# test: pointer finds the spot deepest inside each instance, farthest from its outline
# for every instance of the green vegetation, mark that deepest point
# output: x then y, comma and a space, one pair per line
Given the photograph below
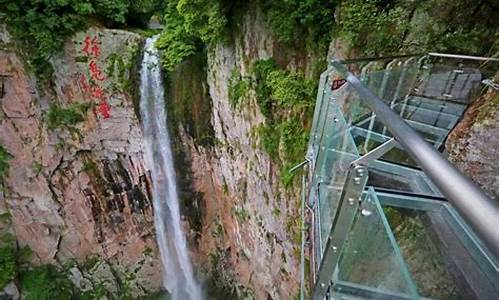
45, 283
299, 21
241, 214
11, 258
47, 23
58, 117
37, 168
7, 265
286, 99
4, 162
189, 24
175, 42
42, 26
239, 87
376, 27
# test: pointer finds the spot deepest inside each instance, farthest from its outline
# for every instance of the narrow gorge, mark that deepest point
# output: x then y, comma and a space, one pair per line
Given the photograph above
146, 146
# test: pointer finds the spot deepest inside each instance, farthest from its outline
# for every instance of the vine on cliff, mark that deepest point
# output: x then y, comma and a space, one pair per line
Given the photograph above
286, 99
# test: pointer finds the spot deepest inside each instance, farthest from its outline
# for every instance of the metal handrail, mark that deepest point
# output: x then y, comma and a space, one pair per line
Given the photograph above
469, 200
460, 56
376, 58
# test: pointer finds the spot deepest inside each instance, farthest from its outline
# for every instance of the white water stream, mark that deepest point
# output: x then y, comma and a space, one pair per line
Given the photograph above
178, 276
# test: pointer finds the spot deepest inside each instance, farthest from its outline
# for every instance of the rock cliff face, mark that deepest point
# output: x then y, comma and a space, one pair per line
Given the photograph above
249, 235
472, 145
80, 192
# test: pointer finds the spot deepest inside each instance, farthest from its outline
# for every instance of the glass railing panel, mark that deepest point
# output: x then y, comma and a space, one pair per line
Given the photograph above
320, 108
334, 151
445, 258
329, 200
426, 116
436, 105
371, 256
449, 83
368, 141
339, 153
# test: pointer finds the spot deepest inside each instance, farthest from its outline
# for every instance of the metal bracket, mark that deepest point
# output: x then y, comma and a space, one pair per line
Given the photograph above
298, 166
376, 153
341, 225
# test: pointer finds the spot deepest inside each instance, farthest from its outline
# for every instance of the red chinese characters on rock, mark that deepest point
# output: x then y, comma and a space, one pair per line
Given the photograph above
103, 108
92, 50
95, 72
84, 85
91, 46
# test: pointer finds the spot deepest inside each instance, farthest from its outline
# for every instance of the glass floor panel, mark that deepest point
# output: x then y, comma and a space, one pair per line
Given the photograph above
371, 256
406, 247
446, 260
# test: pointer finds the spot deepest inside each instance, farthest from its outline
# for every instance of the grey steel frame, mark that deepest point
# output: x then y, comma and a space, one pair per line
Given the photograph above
469, 200
342, 221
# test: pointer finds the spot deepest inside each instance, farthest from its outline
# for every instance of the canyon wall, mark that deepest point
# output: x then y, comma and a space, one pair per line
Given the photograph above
78, 193
249, 236
472, 145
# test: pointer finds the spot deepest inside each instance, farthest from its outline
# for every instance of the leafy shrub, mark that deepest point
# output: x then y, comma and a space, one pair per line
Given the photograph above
372, 27
294, 139
4, 161
378, 27
66, 117
7, 265
177, 44
238, 87
43, 25
114, 10
312, 19
260, 70
285, 98
188, 25
45, 282
203, 19
11, 258
290, 89
270, 139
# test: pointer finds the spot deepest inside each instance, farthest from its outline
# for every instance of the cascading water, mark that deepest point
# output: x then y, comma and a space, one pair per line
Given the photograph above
178, 276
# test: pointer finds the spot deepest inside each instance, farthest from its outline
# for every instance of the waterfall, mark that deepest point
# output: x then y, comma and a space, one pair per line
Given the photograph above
178, 276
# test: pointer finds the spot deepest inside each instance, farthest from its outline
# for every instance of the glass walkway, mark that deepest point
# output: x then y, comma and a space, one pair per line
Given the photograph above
385, 215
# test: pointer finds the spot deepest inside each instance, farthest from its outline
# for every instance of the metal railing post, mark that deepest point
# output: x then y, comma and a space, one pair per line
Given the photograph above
342, 222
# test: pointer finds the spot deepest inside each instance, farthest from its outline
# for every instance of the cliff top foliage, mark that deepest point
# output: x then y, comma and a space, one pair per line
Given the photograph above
373, 27
43, 25
377, 27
